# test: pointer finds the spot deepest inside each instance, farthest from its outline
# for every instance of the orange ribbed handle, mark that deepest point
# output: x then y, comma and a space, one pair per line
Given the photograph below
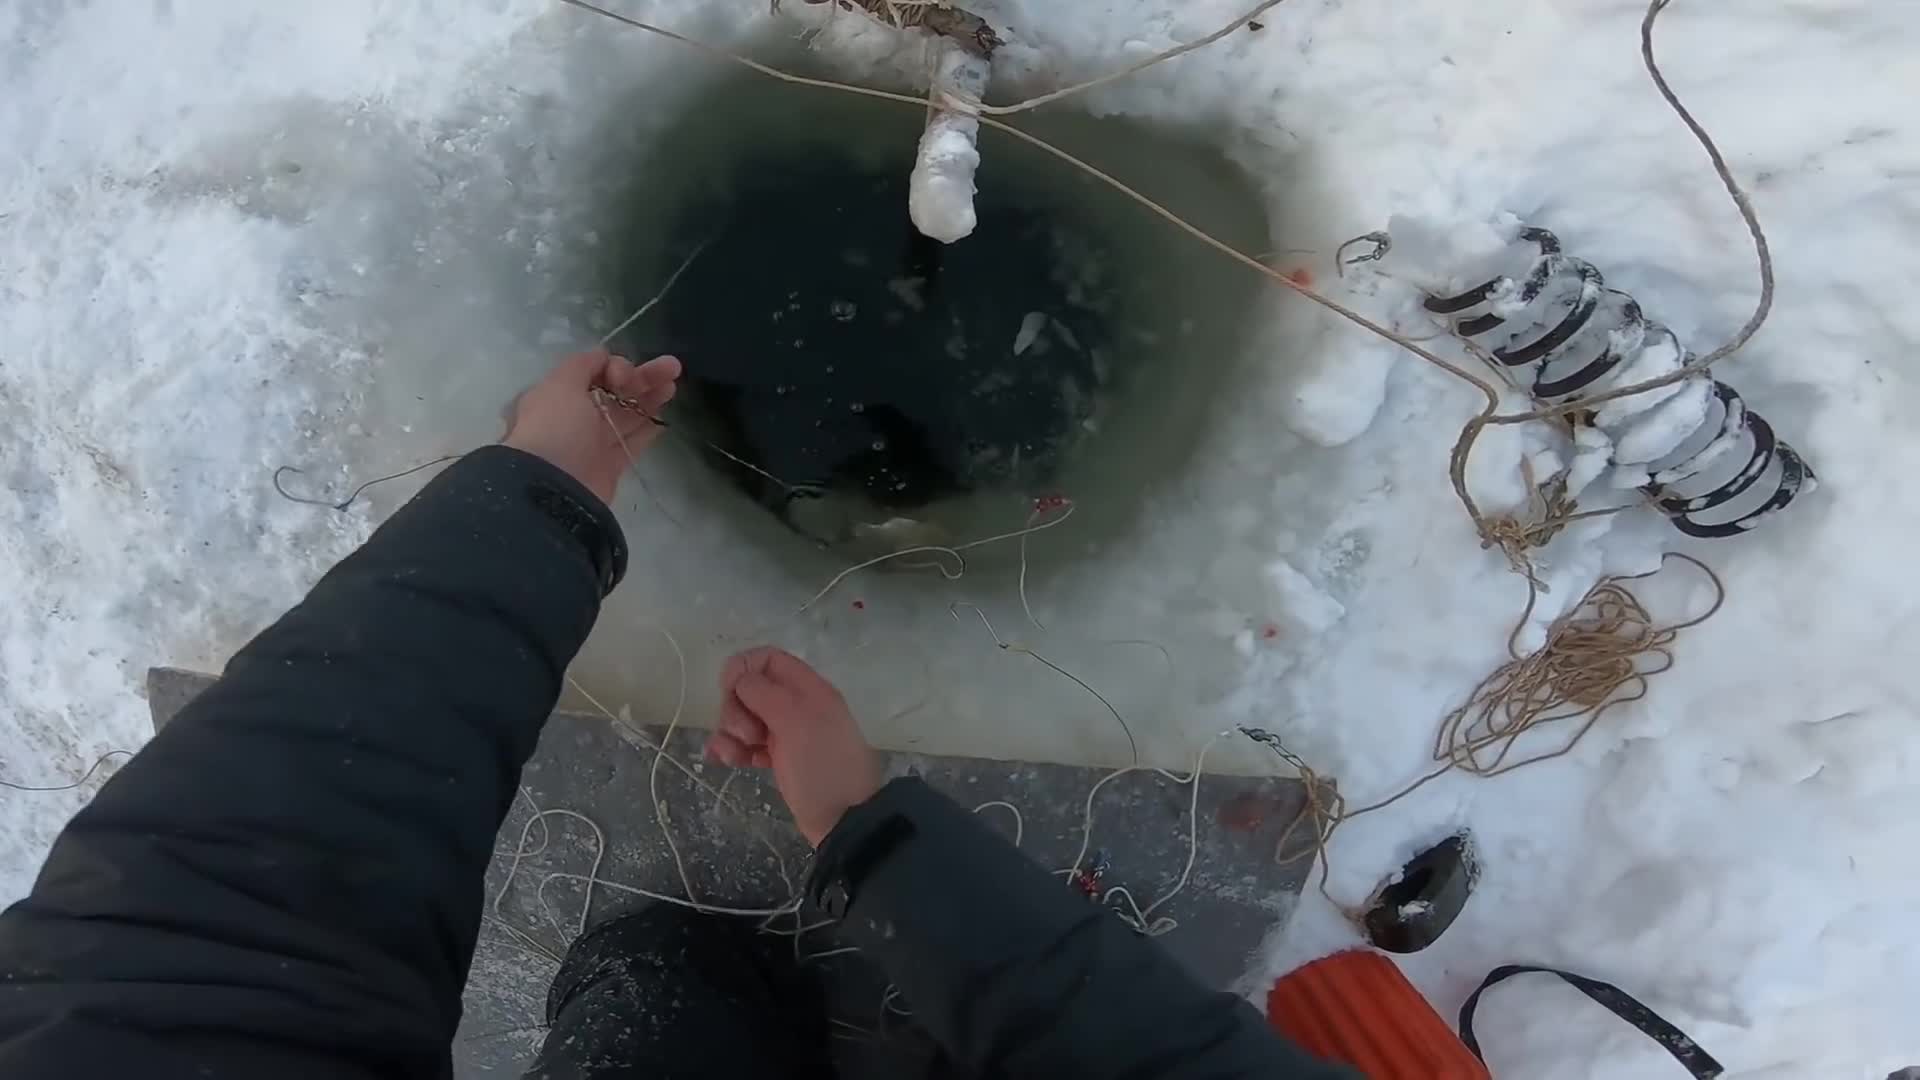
1356, 1008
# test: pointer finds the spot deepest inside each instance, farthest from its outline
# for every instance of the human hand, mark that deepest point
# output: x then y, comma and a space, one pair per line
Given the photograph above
777, 713
558, 418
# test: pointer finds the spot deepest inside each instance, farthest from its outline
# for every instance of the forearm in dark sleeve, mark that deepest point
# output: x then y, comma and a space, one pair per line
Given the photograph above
1015, 974
294, 864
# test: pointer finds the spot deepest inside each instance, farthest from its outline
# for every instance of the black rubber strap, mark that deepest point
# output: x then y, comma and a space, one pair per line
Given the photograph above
1618, 1001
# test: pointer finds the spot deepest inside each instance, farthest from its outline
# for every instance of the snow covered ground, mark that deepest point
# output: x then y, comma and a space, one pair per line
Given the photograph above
233, 236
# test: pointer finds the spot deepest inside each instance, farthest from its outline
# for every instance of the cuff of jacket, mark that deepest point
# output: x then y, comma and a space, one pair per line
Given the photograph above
493, 473
862, 841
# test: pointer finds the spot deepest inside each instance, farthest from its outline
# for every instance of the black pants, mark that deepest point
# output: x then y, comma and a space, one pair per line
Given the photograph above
671, 994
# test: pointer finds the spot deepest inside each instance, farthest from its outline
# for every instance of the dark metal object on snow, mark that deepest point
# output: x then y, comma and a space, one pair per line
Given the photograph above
1410, 912
1382, 244
1693, 478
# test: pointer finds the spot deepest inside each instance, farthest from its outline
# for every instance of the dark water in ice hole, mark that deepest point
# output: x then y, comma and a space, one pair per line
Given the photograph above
908, 392
876, 372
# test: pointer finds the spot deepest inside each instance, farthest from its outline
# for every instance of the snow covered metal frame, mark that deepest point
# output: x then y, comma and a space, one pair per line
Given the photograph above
1560, 321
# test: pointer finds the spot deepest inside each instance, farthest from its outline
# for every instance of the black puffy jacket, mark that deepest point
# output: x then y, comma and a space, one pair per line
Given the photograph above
286, 882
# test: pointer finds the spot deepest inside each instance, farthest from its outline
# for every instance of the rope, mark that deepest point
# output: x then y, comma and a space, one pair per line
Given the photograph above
1602, 653
1591, 655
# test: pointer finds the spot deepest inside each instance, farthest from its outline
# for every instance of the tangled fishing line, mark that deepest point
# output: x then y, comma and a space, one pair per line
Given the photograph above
786, 918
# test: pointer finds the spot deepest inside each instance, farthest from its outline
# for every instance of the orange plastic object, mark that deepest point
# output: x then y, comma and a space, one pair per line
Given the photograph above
1357, 1009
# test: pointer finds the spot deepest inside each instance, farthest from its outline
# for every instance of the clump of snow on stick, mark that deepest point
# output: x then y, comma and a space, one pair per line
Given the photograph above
941, 195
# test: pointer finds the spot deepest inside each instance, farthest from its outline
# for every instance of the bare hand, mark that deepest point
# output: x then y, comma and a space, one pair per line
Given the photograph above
777, 713
560, 420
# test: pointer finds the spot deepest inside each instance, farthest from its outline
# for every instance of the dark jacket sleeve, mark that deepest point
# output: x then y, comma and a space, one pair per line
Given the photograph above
1014, 973
287, 880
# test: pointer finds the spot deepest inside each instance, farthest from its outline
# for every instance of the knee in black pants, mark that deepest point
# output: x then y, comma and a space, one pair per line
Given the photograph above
672, 994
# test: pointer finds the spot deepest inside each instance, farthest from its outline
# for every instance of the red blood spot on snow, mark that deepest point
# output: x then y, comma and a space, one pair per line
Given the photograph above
859, 605
1269, 631
1046, 504
1302, 277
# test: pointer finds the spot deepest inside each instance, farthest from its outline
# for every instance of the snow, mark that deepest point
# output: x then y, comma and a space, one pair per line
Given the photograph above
1655, 358
180, 312
1656, 432
1306, 608
1593, 453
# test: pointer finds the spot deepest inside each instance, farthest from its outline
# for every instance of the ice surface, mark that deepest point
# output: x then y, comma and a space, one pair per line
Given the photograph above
181, 310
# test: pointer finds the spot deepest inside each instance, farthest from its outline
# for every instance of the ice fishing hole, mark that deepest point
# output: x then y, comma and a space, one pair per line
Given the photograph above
906, 392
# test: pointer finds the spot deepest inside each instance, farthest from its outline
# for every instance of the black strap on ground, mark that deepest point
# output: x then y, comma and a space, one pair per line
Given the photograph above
1618, 1001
